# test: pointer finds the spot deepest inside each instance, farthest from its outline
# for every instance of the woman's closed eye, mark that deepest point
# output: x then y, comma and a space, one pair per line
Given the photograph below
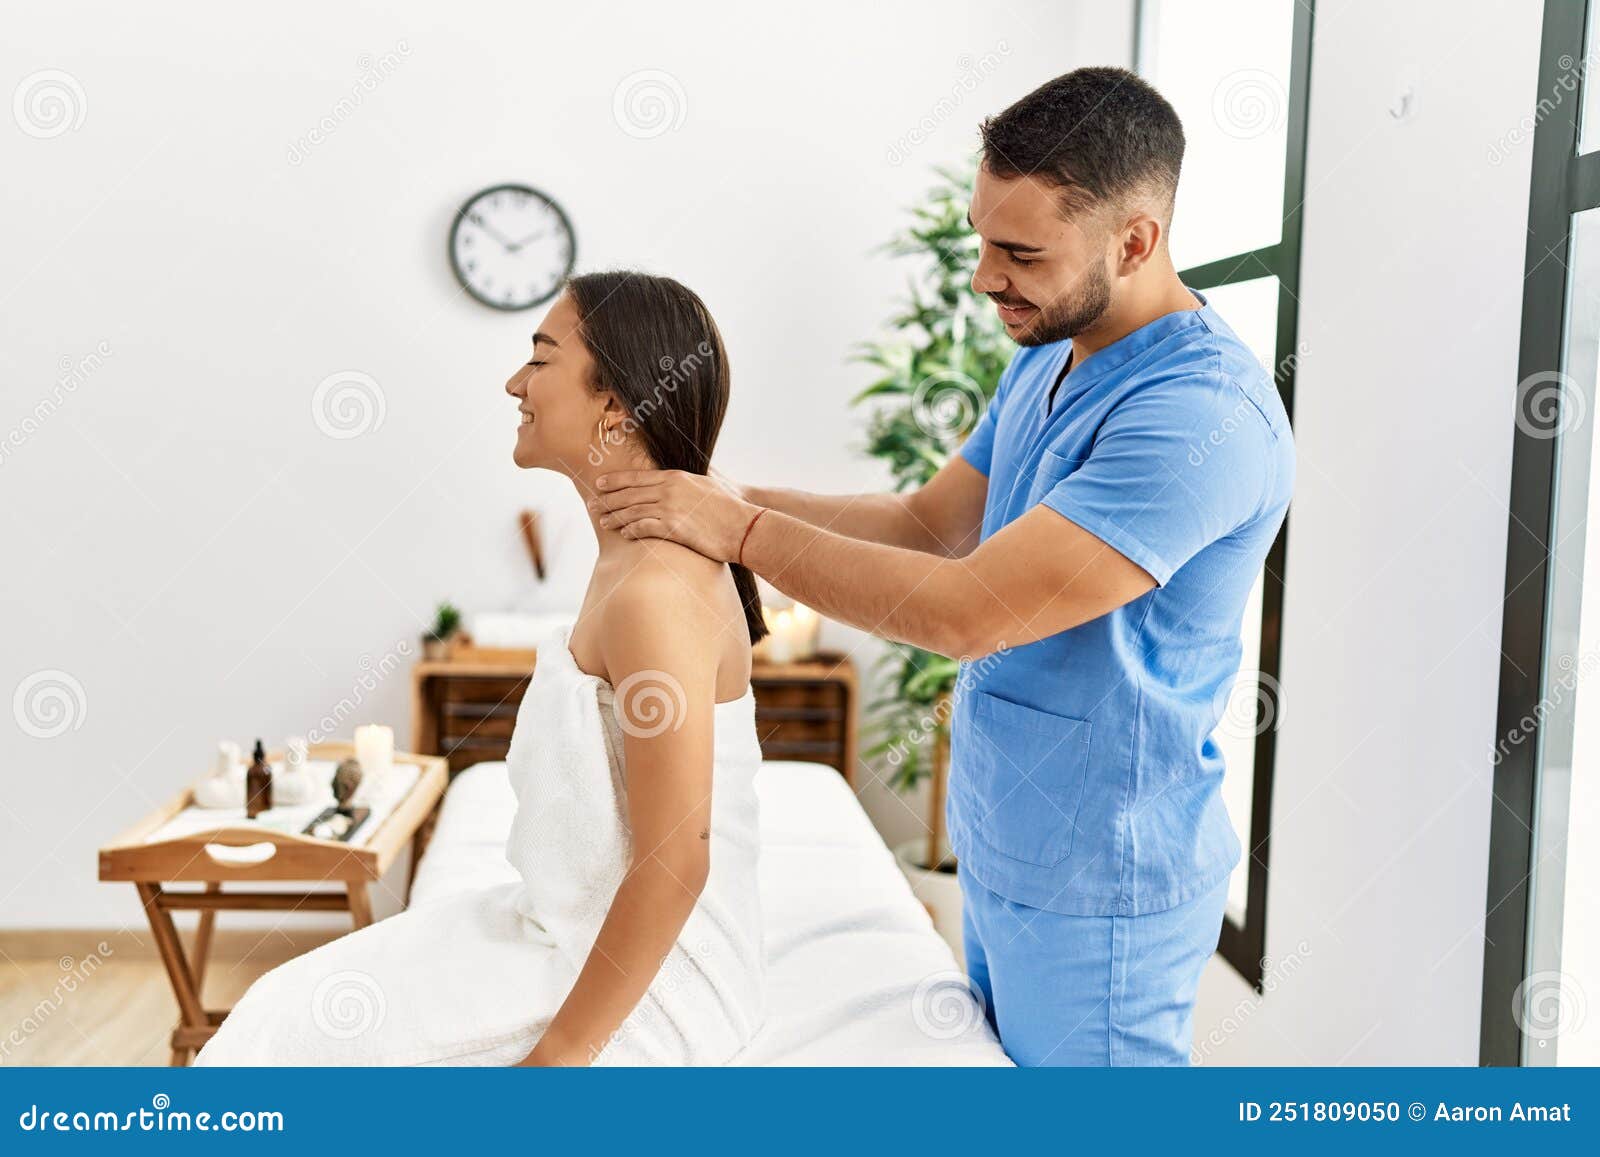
536, 363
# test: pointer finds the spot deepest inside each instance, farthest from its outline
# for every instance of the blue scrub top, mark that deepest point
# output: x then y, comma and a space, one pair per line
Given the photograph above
1084, 778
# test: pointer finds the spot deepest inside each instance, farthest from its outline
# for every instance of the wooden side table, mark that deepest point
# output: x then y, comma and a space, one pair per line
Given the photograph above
807, 711
203, 857
463, 709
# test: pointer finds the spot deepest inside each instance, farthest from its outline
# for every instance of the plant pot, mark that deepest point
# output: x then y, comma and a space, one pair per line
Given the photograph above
938, 890
435, 650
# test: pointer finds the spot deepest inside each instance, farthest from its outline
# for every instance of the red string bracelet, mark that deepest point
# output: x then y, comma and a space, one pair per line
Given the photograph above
751, 526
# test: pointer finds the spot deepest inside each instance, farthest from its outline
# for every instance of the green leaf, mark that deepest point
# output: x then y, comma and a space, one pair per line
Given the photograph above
939, 326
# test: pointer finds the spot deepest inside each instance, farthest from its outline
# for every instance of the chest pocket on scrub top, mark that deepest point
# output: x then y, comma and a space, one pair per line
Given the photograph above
1028, 769
1052, 468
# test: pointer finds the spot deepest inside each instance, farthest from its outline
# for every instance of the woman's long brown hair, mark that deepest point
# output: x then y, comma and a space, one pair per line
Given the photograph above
658, 350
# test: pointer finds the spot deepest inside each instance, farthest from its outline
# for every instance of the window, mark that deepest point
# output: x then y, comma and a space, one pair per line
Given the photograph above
1237, 71
1539, 934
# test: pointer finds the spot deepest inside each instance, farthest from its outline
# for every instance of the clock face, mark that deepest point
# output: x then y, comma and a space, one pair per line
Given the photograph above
511, 247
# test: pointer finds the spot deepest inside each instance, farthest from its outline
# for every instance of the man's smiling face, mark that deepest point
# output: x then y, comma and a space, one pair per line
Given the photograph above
1046, 274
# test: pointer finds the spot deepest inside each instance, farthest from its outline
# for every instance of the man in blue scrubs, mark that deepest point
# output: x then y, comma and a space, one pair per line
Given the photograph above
1088, 556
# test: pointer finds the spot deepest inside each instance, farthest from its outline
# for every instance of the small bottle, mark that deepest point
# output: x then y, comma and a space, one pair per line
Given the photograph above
257, 784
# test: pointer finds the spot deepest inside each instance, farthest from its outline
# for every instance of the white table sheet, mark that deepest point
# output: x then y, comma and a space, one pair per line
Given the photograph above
856, 975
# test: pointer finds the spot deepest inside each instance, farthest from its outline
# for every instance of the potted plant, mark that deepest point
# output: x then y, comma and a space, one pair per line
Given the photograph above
436, 640
939, 368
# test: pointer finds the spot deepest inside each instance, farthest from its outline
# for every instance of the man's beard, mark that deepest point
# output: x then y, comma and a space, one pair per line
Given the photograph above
1070, 314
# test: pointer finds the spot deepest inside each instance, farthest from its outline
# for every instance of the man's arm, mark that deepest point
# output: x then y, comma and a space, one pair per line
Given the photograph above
1037, 577
944, 516
1136, 511
1041, 575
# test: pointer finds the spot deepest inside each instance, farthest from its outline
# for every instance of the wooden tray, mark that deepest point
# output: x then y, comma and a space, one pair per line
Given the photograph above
217, 857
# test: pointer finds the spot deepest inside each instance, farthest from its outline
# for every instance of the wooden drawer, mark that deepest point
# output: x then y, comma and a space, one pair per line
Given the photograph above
464, 715
802, 721
804, 711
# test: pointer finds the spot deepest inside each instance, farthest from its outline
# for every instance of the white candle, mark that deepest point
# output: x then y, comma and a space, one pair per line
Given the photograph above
780, 645
374, 749
806, 626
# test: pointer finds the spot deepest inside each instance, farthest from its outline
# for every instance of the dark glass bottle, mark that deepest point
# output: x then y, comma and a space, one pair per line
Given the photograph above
257, 784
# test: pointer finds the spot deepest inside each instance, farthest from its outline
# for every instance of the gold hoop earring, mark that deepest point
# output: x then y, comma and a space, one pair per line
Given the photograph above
600, 432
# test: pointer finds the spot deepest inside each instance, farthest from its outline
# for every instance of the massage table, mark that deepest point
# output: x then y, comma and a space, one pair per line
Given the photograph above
856, 974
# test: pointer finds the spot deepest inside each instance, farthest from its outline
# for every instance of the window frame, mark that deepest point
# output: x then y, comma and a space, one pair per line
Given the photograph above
1528, 824
1244, 945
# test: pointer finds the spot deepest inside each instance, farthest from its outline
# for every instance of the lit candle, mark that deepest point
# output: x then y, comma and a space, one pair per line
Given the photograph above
374, 749
777, 645
791, 633
806, 624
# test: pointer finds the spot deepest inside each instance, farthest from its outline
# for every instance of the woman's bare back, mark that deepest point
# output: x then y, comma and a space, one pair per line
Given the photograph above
684, 583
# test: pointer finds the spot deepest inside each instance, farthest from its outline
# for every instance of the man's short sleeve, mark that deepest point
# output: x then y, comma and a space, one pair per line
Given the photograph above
978, 449
1173, 469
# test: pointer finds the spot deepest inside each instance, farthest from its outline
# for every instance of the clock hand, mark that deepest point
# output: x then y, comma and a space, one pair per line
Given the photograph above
490, 230
530, 237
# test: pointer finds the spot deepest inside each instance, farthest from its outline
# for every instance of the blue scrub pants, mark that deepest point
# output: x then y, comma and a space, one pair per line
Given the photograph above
1089, 990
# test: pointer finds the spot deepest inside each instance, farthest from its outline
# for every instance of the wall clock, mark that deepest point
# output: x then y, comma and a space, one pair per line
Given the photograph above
511, 247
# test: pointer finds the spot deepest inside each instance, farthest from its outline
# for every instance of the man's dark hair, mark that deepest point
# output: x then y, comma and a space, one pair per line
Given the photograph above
1096, 134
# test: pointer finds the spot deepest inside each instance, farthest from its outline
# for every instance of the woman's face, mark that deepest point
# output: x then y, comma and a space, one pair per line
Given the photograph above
558, 407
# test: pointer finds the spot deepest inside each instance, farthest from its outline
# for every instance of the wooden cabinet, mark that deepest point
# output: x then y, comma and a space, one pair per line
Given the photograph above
464, 709
807, 711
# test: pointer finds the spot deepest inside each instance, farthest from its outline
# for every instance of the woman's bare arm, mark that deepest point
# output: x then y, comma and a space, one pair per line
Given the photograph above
661, 648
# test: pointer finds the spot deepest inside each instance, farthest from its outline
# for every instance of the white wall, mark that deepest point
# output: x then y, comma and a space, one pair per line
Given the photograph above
184, 543
1410, 313
180, 538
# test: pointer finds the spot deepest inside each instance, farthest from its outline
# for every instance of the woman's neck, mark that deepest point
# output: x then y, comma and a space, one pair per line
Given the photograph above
610, 541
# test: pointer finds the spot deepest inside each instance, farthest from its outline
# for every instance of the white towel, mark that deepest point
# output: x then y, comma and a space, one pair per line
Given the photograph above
474, 977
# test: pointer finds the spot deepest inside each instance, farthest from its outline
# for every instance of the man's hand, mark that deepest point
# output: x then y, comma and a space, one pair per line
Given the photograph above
706, 514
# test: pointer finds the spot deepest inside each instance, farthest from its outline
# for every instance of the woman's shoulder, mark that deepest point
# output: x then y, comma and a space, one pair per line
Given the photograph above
671, 606
668, 575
